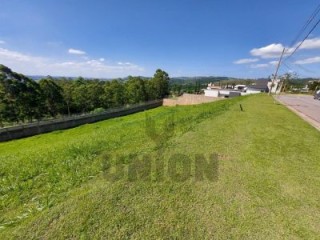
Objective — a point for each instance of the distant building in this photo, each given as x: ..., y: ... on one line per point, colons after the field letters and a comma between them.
x: 275, y: 87
x: 211, y: 92
x: 305, y: 89
x: 212, y: 86
x: 257, y: 86
x: 240, y: 87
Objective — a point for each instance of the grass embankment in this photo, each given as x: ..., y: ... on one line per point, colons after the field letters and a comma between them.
x: 53, y: 186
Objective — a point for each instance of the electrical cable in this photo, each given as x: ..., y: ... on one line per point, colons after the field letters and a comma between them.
x: 311, y: 18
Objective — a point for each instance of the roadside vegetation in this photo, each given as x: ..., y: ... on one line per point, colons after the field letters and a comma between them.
x: 53, y: 186
x: 24, y: 100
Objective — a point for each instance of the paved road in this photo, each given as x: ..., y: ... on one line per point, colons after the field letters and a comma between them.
x: 305, y: 106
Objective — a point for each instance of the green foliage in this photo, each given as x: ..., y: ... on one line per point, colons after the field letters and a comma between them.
x: 160, y: 84
x: 52, y: 95
x: 22, y: 98
x: 117, y: 93
x: 135, y: 90
x: 98, y: 110
x: 314, y: 85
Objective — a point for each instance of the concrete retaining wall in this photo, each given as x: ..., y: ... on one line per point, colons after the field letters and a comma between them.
x: 28, y: 130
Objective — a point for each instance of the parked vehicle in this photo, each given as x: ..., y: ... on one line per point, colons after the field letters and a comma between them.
x: 317, y: 95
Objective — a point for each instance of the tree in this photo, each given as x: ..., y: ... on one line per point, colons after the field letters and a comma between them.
x: 106, y: 98
x: 80, y: 96
x: 20, y: 97
x: 2, y: 105
x: 314, y: 85
x: 114, y: 94
x: 150, y: 89
x: 176, y: 89
x: 286, y: 81
x: 135, y: 90
x: 160, y: 84
x: 10, y: 87
x: 67, y: 87
x: 53, y: 96
x: 94, y: 92
x: 32, y: 101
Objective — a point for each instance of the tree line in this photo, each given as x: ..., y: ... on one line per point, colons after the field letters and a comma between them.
x: 23, y: 99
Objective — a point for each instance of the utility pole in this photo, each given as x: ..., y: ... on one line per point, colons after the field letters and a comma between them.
x: 277, y: 69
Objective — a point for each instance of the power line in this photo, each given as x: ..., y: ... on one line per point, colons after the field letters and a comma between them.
x: 311, y: 18
x: 299, y: 65
x: 302, y: 30
x: 286, y: 65
x: 292, y: 67
x: 299, y: 45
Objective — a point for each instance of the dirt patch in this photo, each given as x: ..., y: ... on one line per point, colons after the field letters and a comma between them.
x: 189, y: 99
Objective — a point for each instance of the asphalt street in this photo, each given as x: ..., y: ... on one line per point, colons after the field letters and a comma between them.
x: 305, y: 106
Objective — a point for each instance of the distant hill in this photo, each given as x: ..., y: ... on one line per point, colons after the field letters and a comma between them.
x: 184, y: 80
x: 39, y: 77
x: 187, y: 80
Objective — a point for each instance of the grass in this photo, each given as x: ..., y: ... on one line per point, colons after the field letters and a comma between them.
x: 53, y: 186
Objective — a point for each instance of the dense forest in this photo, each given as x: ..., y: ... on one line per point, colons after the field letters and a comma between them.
x: 23, y: 99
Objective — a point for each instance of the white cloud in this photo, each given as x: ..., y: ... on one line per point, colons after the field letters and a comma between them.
x: 101, y: 59
x: 6, y: 55
x: 2, y: 42
x: 76, y: 51
x: 308, y: 60
x: 246, y: 60
x: 271, y: 51
x: 33, y: 65
x: 274, y: 63
x: 313, y: 43
x: 124, y: 63
x: 274, y: 50
x: 262, y: 65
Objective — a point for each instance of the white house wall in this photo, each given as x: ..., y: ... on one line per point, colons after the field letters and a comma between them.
x: 211, y: 93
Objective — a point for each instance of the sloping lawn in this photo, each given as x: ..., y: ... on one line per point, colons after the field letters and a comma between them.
x: 266, y: 184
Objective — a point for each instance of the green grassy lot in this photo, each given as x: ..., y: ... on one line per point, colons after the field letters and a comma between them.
x: 54, y: 186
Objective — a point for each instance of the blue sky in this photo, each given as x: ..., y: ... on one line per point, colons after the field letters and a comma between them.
x: 117, y: 38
